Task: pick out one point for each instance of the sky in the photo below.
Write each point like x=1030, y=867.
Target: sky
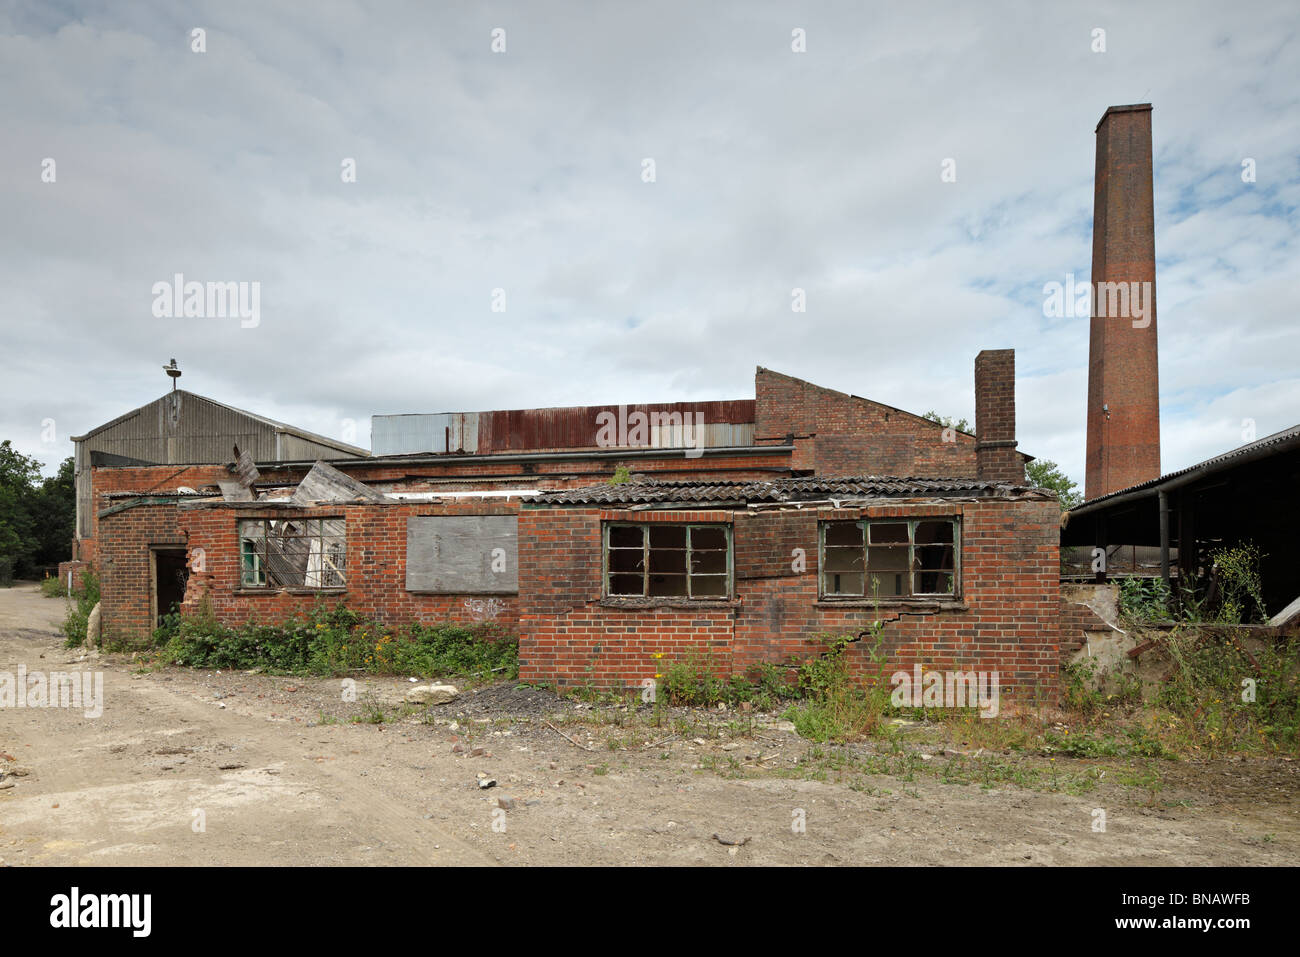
x=472, y=206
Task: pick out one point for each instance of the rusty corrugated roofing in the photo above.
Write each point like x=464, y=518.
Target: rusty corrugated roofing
x=780, y=490
x=571, y=427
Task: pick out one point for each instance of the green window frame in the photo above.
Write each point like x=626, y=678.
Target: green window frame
x=667, y=560
x=293, y=553
x=890, y=558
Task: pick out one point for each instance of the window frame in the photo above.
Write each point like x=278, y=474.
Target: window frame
x=865, y=523
x=320, y=545
x=728, y=575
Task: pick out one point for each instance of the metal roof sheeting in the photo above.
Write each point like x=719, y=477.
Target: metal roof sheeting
x=184, y=427
x=725, y=423
x=1269, y=444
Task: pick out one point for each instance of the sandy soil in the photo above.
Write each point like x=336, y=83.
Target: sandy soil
x=277, y=771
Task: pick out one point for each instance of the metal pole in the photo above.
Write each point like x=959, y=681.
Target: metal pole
x=1164, y=537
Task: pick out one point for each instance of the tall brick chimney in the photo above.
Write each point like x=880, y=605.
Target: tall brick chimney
x=1123, y=388
x=996, y=458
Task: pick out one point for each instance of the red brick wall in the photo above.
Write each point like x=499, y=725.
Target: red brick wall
x=376, y=556
x=840, y=434
x=1076, y=620
x=143, y=480
x=74, y=568
x=996, y=458
x=479, y=475
x=126, y=567
x=376, y=566
x=571, y=638
x=1124, y=446
x=1007, y=619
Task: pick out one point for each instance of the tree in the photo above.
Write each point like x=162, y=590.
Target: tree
x=18, y=476
x=56, y=514
x=1046, y=474
x=36, y=516
x=961, y=425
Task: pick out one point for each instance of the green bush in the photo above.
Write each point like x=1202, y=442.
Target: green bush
x=82, y=602
x=827, y=700
x=1079, y=691
x=1145, y=599
x=1086, y=744
x=694, y=681
x=1239, y=596
x=52, y=587
x=36, y=514
x=837, y=704
x=1239, y=583
x=1230, y=697
x=337, y=641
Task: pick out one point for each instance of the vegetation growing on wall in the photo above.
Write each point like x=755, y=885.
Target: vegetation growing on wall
x=1046, y=474
x=824, y=698
x=947, y=421
x=81, y=603
x=338, y=641
x=1224, y=687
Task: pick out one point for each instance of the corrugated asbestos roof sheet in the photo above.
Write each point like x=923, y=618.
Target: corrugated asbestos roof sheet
x=1285, y=437
x=780, y=490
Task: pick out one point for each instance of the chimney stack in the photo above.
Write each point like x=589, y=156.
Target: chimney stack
x=1123, y=387
x=996, y=458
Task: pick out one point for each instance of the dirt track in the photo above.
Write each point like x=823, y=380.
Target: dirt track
x=281, y=775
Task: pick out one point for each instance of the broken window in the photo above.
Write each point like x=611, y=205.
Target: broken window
x=298, y=553
x=660, y=560
x=889, y=558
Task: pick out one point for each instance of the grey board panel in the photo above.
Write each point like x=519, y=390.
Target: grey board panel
x=453, y=554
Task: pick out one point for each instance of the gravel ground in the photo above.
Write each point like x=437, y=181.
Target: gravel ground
x=200, y=767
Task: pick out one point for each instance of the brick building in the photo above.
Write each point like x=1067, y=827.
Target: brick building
x=508, y=516
x=964, y=572
x=189, y=433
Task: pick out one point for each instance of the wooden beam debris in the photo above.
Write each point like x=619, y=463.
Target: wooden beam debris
x=245, y=468
x=325, y=483
x=235, y=492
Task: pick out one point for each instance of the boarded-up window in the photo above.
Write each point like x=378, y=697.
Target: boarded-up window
x=299, y=553
x=890, y=559
x=463, y=554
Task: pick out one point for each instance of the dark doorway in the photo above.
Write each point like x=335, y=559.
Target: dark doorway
x=170, y=573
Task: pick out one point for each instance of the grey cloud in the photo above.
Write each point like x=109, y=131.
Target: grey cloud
x=522, y=171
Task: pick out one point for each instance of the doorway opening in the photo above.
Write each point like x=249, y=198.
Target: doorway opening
x=171, y=572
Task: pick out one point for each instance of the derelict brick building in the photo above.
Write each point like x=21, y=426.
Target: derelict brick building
x=964, y=573
x=477, y=526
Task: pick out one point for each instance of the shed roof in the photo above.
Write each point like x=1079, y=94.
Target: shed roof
x=1273, y=444
x=793, y=490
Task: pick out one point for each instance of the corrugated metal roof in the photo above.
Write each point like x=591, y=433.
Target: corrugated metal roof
x=725, y=423
x=781, y=490
x=1285, y=437
x=161, y=420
